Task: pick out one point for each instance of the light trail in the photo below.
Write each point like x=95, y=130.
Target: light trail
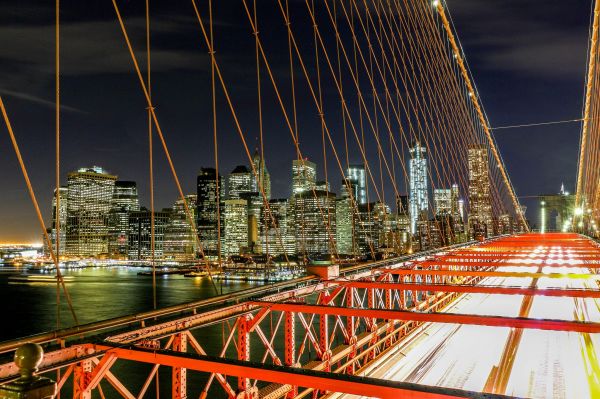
x=547, y=364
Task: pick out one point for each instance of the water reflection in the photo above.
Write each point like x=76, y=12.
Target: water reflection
x=98, y=294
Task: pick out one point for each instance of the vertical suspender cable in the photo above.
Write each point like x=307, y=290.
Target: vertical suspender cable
x=150, y=157
x=57, y=164
x=261, y=164
x=215, y=138
x=13, y=139
x=160, y=134
x=588, y=94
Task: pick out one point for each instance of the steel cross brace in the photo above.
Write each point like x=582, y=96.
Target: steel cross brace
x=480, y=289
x=483, y=274
x=435, y=317
x=323, y=381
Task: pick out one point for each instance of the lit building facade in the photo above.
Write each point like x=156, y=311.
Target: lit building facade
x=366, y=232
x=235, y=227
x=89, y=201
x=239, y=181
x=442, y=200
x=315, y=224
x=208, y=209
x=277, y=235
x=140, y=237
x=62, y=227
x=403, y=216
x=322, y=185
x=124, y=201
x=304, y=176
x=180, y=236
x=357, y=174
x=418, y=194
x=480, y=202
x=255, y=204
x=263, y=179
x=344, y=211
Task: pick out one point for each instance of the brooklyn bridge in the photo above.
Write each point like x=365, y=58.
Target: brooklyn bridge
x=448, y=293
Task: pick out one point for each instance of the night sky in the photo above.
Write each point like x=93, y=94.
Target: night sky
x=528, y=60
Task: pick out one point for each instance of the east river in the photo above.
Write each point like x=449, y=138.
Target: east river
x=102, y=293
x=98, y=293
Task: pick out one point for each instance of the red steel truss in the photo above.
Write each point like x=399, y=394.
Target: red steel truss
x=310, y=337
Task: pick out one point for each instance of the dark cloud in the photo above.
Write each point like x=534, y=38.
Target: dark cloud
x=37, y=100
x=528, y=60
x=523, y=37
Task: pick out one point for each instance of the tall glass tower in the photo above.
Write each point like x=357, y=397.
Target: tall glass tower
x=124, y=201
x=304, y=175
x=418, y=185
x=357, y=173
x=480, y=201
x=89, y=201
x=209, y=207
x=264, y=179
x=240, y=180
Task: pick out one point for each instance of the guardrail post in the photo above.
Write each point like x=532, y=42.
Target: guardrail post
x=179, y=374
x=324, y=333
x=82, y=373
x=350, y=328
x=243, y=338
x=29, y=386
x=290, y=346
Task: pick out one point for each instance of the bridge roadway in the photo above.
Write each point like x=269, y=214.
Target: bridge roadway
x=545, y=364
x=511, y=316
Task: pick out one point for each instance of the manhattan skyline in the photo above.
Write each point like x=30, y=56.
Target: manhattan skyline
x=112, y=132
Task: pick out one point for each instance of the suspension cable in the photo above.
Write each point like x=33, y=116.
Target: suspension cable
x=151, y=163
x=57, y=214
x=161, y=137
x=37, y=207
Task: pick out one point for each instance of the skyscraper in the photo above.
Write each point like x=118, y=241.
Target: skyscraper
x=277, y=236
x=304, y=175
x=455, y=204
x=315, y=222
x=235, y=227
x=124, y=201
x=263, y=179
x=63, y=197
x=344, y=218
x=255, y=204
x=442, y=200
x=140, y=237
x=357, y=174
x=366, y=233
x=418, y=185
x=402, y=213
x=322, y=185
x=457, y=210
x=208, y=211
x=349, y=186
x=480, y=202
x=89, y=201
x=240, y=180
x=180, y=237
